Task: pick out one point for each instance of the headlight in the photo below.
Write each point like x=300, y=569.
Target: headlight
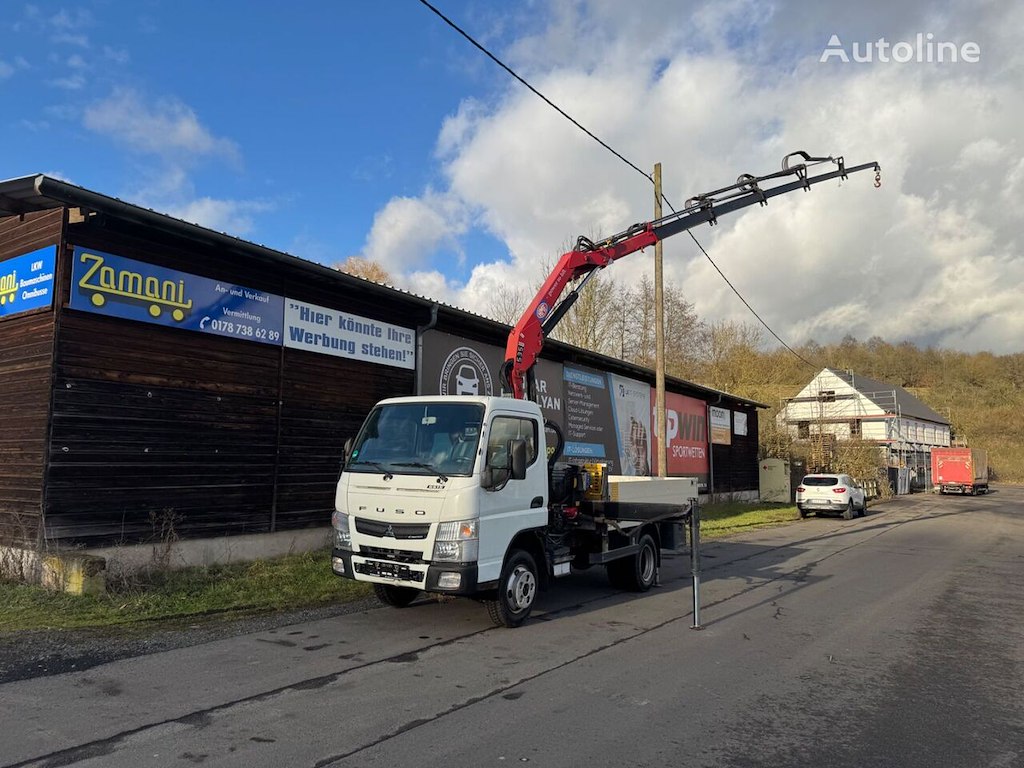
x=457, y=542
x=342, y=534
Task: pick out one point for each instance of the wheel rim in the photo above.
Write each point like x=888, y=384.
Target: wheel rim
x=646, y=565
x=520, y=589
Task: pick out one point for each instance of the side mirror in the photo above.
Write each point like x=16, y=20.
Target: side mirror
x=346, y=456
x=509, y=463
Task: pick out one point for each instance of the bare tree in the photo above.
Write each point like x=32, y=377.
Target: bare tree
x=733, y=356
x=506, y=304
x=369, y=270
x=633, y=334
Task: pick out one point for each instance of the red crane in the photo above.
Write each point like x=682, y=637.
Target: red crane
x=547, y=308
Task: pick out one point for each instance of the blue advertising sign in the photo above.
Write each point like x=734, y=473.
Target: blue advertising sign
x=589, y=418
x=133, y=290
x=26, y=282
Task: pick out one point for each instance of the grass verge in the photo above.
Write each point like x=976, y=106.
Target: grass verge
x=295, y=581
x=725, y=518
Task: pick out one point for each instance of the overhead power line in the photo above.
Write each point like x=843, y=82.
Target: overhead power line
x=621, y=157
x=537, y=93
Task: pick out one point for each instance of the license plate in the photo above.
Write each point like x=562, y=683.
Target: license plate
x=385, y=570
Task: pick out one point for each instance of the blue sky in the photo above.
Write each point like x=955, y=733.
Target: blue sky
x=301, y=120
x=333, y=129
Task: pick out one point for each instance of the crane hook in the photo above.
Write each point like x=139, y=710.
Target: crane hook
x=878, y=179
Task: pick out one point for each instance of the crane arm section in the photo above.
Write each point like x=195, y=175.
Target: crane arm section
x=547, y=308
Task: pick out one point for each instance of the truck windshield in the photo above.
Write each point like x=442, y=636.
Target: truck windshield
x=419, y=439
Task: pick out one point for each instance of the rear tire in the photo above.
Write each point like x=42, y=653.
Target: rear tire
x=396, y=597
x=848, y=512
x=803, y=512
x=636, y=573
x=517, y=590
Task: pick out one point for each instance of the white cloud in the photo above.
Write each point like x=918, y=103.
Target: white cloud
x=6, y=70
x=166, y=127
x=82, y=41
x=116, y=55
x=933, y=256
x=407, y=230
x=235, y=217
x=73, y=82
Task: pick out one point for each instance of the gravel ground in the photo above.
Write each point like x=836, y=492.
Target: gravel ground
x=37, y=653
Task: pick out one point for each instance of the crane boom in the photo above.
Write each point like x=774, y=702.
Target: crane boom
x=526, y=338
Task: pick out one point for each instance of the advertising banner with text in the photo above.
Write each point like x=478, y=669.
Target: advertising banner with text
x=26, y=281
x=452, y=365
x=687, y=432
x=631, y=400
x=589, y=418
x=331, y=332
x=134, y=290
x=721, y=428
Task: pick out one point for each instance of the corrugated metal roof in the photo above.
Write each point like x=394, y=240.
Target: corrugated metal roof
x=28, y=194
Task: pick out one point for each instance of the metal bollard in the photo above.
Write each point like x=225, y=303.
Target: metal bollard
x=695, y=562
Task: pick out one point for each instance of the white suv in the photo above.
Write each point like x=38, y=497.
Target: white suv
x=830, y=494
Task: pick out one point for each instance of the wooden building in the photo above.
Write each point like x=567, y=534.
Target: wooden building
x=155, y=374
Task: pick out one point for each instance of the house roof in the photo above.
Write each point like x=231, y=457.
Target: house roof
x=878, y=392
x=29, y=194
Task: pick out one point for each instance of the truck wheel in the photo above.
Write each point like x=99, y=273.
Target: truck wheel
x=637, y=572
x=396, y=597
x=848, y=512
x=517, y=590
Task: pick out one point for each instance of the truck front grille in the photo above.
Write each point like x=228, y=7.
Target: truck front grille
x=396, y=555
x=395, y=530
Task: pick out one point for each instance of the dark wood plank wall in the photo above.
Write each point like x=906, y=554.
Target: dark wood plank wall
x=26, y=355
x=322, y=404
x=736, y=466
x=324, y=400
x=155, y=426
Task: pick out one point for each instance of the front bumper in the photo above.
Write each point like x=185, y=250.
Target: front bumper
x=426, y=577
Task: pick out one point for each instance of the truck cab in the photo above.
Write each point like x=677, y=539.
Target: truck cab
x=436, y=490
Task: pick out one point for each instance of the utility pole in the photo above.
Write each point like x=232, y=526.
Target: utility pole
x=659, y=337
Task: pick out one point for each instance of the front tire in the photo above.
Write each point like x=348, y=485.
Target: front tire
x=517, y=590
x=396, y=597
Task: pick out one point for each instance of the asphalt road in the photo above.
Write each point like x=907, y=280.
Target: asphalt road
x=891, y=640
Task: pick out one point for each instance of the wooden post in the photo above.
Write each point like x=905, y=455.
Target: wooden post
x=659, y=337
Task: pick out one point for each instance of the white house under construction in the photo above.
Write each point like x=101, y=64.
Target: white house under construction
x=840, y=405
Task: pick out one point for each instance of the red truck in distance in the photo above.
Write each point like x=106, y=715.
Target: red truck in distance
x=959, y=470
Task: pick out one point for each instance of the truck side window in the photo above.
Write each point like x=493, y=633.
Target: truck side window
x=505, y=428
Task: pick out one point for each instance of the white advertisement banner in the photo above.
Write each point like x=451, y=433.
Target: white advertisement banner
x=721, y=428
x=739, y=423
x=631, y=404
x=331, y=332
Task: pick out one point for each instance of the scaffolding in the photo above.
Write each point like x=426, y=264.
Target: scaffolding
x=823, y=415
